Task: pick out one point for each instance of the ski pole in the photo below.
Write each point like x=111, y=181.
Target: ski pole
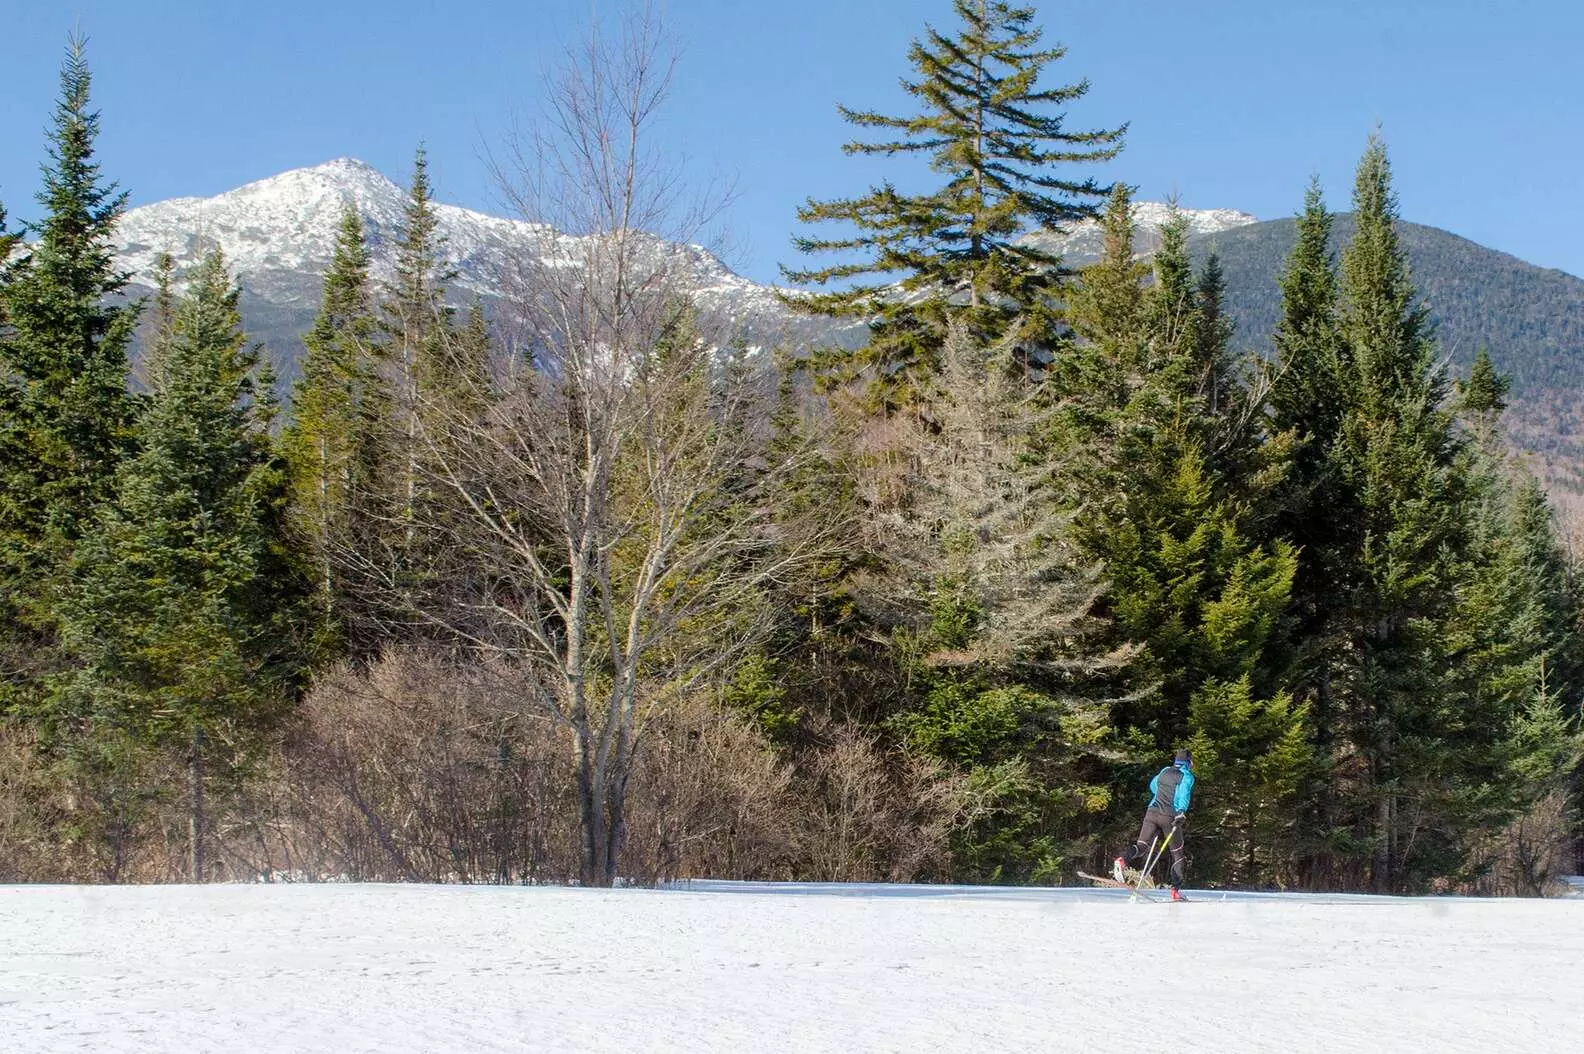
x=1154, y=858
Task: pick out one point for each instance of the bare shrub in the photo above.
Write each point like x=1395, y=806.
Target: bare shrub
x=1529, y=858
x=102, y=810
x=710, y=797
x=868, y=815
x=416, y=770
x=29, y=815
x=423, y=769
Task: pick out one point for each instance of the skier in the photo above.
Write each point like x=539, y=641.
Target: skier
x=1171, y=792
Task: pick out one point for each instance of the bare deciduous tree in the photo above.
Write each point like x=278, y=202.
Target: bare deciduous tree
x=611, y=499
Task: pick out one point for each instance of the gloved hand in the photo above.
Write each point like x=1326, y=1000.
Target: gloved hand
x=1180, y=819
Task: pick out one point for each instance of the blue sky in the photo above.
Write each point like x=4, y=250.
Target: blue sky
x=1232, y=103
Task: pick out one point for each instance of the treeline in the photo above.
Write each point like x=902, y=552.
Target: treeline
x=620, y=596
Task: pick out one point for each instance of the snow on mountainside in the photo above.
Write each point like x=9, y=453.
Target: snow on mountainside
x=278, y=235
x=1085, y=241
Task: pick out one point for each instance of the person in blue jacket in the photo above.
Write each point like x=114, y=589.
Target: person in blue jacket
x=1171, y=793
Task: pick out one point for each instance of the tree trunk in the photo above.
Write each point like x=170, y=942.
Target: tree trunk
x=505, y=811
x=1322, y=868
x=195, y=791
x=591, y=807
x=1382, y=865
x=616, y=824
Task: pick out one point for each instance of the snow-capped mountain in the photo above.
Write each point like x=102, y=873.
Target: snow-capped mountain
x=1085, y=241
x=278, y=235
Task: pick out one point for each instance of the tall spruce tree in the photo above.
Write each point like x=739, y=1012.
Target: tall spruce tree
x=418, y=326
x=1212, y=336
x=180, y=621
x=1306, y=402
x=1191, y=579
x=1390, y=558
x=1015, y=661
x=1107, y=311
x=1515, y=676
x=1305, y=395
x=997, y=136
x=65, y=413
x=336, y=445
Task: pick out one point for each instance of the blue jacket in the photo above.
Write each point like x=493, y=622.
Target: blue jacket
x=1177, y=793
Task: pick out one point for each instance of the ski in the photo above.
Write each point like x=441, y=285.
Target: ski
x=1146, y=893
x=1101, y=880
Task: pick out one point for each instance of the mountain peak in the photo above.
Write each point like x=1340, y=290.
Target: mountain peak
x=351, y=166
x=347, y=175
x=279, y=233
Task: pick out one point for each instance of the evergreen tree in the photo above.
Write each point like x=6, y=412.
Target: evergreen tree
x=179, y=623
x=1306, y=403
x=1515, y=670
x=336, y=445
x=1092, y=379
x=1213, y=336
x=1385, y=548
x=1011, y=655
x=1304, y=395
x=1167, y=509
x=461, y=385
x=994, y=133
x=65, y=414
x=160, y=322
x=1483, y=397
x=418, y=327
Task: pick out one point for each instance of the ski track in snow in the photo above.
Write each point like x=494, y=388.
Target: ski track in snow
x=739, y=967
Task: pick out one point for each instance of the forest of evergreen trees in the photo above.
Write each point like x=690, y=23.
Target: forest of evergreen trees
x=621, y=598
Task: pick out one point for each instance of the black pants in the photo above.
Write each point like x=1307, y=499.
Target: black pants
x=1157, y=825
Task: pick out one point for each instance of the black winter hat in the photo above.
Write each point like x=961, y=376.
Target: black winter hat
x=1184, y=757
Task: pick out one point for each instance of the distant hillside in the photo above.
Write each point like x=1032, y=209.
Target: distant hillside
x=1531, y=318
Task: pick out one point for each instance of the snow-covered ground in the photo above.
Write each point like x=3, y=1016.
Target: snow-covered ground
x=719, y=966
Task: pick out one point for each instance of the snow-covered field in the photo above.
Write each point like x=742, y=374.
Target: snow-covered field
x=726, y=967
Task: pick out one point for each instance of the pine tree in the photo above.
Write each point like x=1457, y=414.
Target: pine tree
x=335, y=446
x=1212, y=338
x=1165, y=475
x=418, y=327
x=1304, y=395
x=159, y=323
x=1483, y=397
x=1014, y=659
x=1306, y=404
x=1093, y=378
x=461, y=385
x=988, y=127
x=179, y=625
x=65, y=413
x=1172, y=305
x=1398, y=537
x=1517, y=660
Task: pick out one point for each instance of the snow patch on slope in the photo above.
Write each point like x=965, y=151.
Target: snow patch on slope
x=276, y=231
x=1084, y=242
